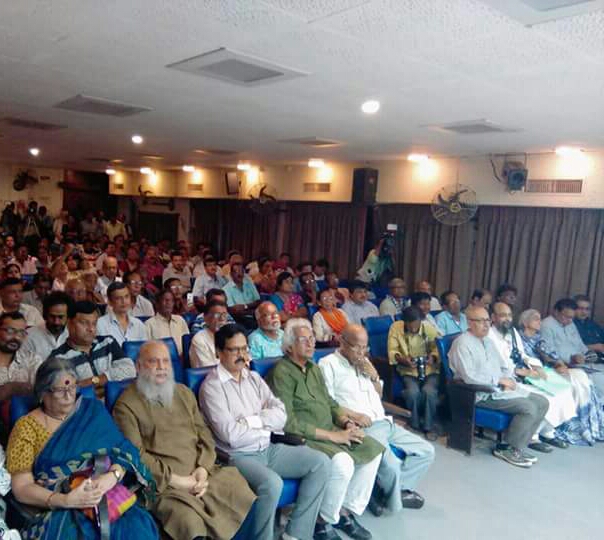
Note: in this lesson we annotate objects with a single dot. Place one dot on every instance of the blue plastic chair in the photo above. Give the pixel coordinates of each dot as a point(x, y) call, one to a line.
point(320, 353)
point(21, 405)
point(483, 418)
point(377, 330)
point(312, 309)
point(113, 390)
point(186, 346)
point(263, 365)
point(143, 318)
point(189, 318)
point(195, 376)
point(131, 349)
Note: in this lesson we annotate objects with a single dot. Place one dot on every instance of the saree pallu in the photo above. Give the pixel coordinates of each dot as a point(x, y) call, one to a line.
point(89, 431)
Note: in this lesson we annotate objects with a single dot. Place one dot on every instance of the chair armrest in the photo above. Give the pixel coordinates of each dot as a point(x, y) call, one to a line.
point(395, 410)
point(290, 439)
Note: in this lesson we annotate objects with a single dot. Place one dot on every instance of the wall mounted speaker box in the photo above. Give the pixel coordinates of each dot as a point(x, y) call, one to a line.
point(232, 183)
point(364, 186)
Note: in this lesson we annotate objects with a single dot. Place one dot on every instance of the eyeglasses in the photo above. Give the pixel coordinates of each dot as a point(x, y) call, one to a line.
point(309, 340)
point(359, 348)
point(237, 350)
point(308, 281)
point(138, 283)
point(481, 321)
point(65, 390)
point(219, 316)
point(10, 332)
point(175, 287)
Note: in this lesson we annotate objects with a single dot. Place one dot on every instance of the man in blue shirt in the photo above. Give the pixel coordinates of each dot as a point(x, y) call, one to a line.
point(242, 296)
point(267, 340)
point(451, 320)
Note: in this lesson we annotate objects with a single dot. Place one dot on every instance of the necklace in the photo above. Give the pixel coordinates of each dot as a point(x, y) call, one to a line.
point(59, 418)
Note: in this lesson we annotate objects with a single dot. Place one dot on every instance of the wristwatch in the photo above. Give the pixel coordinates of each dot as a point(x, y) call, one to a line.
point(117, 474)
point(95, 380)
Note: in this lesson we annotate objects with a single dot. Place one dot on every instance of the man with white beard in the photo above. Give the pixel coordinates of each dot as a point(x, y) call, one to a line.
point(267, 339)
point(195, 498)
point(513, 357)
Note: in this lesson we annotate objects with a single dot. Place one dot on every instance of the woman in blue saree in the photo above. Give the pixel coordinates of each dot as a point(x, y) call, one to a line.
point(61, 437)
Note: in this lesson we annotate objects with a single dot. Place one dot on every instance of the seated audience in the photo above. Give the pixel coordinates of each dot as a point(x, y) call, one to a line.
point(96, 359)
point(358, 307)
point(60, 274)
point(12, 270)
point(451, 320)
point(525, 369)
point(76, 290)
point(90, 279)
point(35, 297)
point(341, 294)
point(508, 294)
point(309, 288)
point(18, 365)
point(11, 294)
point(242, 412)
point(165, 324)
point(141, 307)
point(412, 349)
point(113, 228)
point(203, 350)
point(197, 260)
point(320, 270)
point(289, 303)
point(62, 435)
point(481, 298)
point(43, 262)
point(475, 360)
point(560, 334)
point(27, 263)
point(242, 295)
point(588, 425)
point(267, 340)
point(109, 277)
point(329, 321)
point(304, 267)
point(396, 299)
point(73, 265)
point(118, 322)
point(354, 383)
point(44, 339)
point(109, 251)
point(132, 261)
point(213, 294)
point(328, 427)
point(283, 263)
point(209, 279)
point(177, 269)
point(151, 267)
point(421, 301)
point(265, 279)
point(426, 287)
point(590, 331)
point(195, 497)
point(233, 257)
point(180, 303)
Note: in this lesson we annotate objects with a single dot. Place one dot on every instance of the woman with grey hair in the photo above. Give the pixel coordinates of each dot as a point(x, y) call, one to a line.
point(588, 425)
point(67, 456)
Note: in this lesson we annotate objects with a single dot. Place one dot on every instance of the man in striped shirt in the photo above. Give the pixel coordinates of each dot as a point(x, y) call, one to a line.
point(97, 359)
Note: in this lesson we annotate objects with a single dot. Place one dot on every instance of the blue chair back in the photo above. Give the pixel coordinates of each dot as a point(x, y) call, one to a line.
point(312, 309)
point(189, 318)
point(377, 330)
point(143, 318)
point(131, 349)
point(264, 297)
point(21, 405)
point(195, 376)
point(380, 292)
point(113, 390)
point(443, 344)
point(263, 365)
point(186, 345)
point(435, 312)
point(28, 278)
point(320, 353)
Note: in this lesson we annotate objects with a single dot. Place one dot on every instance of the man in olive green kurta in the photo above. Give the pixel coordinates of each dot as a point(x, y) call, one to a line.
point(335, 430)
point(195, 497)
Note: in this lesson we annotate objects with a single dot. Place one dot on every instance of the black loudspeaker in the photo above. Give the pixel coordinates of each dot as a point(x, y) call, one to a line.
point(364, 186)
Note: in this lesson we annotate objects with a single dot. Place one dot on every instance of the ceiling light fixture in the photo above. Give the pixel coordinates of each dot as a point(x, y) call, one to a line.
point(146, 170)
point(243, 166)
point(371, 106)
point(137, 139)
point(418, 158)
point(188, 168)
point(34, 152)
point(110, 172)
point(316, 163)
point(566, 151)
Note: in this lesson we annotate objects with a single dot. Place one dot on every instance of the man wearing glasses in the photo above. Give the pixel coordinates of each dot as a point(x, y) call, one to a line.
point(203, 350)
point(354, 383)
point(140, 306)
point(474, 359)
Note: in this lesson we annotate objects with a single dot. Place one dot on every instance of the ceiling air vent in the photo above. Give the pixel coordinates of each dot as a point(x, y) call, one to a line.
point(104, 107)
point(531, 12)
point(313, 142)
point(31, 124)
point(234, 67)
point(473, 127)
point(554, 186)
point(317, 187)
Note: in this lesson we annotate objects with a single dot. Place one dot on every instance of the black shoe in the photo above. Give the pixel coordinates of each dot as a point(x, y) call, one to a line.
point(324, 531)
point(554, 441)
point(541, 447)
point(353, 528)
point(411, 499)
point(375, 506)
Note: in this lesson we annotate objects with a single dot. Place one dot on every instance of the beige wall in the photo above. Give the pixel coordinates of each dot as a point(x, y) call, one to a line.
point(46, 191)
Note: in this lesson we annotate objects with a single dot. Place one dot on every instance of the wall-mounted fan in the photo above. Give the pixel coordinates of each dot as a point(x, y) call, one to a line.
point(263, 198)
point(454, 204)
point(23, 179)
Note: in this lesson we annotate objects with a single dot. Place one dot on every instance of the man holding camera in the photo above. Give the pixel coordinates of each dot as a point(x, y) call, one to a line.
point(412, 349)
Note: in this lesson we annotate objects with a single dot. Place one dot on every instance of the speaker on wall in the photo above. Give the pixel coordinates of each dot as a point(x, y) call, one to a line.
point(364, 186)
point(232, 183)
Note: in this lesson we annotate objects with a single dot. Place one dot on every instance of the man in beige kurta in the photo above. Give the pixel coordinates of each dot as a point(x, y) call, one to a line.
point(195, 497)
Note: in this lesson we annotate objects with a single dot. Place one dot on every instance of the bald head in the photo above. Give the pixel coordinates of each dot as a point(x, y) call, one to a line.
point(397, 287)
point(110, 268)
point(153, 362)
point(267, 316)
point(478, 321)
point(353, 343)
point(76, 288)
point(353, 332)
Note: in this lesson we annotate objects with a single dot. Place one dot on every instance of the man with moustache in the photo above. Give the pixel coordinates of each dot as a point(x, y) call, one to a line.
point(242, 412)
point(267, 340)
point(195, 498)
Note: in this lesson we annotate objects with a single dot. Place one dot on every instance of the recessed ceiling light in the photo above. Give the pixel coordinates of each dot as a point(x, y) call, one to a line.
point(316, 163)
point(565, 151)
point(34, 151)
point(418, 158)
point(110, 172)
point(188, 168)
point(243, 166)
point(117, 161)
point(146, 170)
point(371, 106)
point(137, 139)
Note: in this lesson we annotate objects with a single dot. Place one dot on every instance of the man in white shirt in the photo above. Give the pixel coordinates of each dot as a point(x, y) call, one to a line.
point(42, 340)
point(358, 307)
point(165, 324)
point(109, 276)
point(179, 270)
point(141, 307)
point(210, 279)
point(110, 251)
point(426, 287)
point(42, 286)
point(354, 383)
point(26, 262)
point(118, 323)
point(11, 294)
point(203, 351)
